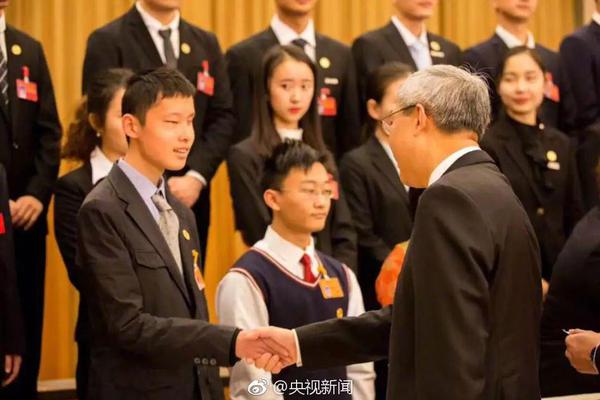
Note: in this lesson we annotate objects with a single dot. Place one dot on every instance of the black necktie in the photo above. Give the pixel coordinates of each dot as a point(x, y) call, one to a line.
point(300, 43)
point(171, 61)
point(3, 79)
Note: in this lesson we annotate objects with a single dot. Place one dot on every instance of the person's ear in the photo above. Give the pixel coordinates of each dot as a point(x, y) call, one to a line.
point(374, 110)
point(422, 119)
point(131, 126)
point(271, 198)
point(94, 121)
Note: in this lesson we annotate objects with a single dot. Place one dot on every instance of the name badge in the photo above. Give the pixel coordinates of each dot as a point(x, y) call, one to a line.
point(206, 83)
point(332, 81)
point(27, 90)
point(331, 288)
point(197, 273)
point(327, 104)
point(553, 165)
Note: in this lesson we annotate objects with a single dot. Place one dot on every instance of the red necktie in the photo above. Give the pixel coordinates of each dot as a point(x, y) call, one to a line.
point(308, 275)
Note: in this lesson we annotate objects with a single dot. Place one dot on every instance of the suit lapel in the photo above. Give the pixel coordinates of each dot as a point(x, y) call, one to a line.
point(143, 218)
point(397, 43)
point(189, 63)
point(436, 48)
point(382, 162)
point(14, 73)
point(140, 33)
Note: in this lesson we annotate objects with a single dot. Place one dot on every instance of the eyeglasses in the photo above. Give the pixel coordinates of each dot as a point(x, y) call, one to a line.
point(387, 122)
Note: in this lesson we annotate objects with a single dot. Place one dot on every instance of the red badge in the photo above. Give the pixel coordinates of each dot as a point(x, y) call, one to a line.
point(197, 273)
point(206, 83)
point(27, 90)
point(551, 91)
point(327, 104)
point(2, 227)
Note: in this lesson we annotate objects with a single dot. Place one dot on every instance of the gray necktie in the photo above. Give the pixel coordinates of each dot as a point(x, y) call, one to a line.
point(171, 61)
point(169, 226)
point(3, 79)
point(299, 42)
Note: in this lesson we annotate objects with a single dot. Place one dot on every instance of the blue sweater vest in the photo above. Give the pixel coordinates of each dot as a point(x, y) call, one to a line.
point(291, 303)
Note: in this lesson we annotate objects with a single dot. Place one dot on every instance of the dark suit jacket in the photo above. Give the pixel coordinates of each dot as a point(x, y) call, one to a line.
point(29, 131)
point(486, 57)
point(588, 153)
point(252, 216)
point(572, 301)
point(244, 63)
point(69, 194)
point(126, 42)
point(580, 56)
point(149, 326)
point(379, 205)
point(385, 45)
point(553, 213)
point(465, 320)
point(11, 323)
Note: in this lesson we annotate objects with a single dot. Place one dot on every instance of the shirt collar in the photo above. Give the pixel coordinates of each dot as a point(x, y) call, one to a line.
point(143, 185)
point(596, 17)
point(286, 251)
point(3, 23)
point(101, 165)
point(512, 41)
point(447, 163)
point(293, 134)
point(152, 23)
point(285, 34)
point(408, 37)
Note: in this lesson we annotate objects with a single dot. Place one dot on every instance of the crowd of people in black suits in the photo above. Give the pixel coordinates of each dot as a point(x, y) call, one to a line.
point(544, 137)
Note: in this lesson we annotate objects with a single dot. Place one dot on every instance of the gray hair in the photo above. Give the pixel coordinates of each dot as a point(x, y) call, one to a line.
point(454, 98)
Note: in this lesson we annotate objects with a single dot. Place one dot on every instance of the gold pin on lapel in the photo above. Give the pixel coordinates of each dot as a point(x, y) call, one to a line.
point(435, 46)
point(186, 234)
point(16, 50)
point(551, 156)
point(324, 62)
point(339, 313)
point(185, 48)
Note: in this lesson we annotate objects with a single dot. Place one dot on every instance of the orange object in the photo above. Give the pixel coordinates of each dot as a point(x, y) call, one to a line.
point(385, 285)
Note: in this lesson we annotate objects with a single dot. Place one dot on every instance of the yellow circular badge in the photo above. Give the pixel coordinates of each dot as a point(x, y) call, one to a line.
point(185, 48)
point(186, 234)
point(16, 49)
point(551, 155)
point(435, 46)
point(324, 62)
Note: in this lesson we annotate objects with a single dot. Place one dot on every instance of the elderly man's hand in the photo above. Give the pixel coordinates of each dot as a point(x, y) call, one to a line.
point(580, 344)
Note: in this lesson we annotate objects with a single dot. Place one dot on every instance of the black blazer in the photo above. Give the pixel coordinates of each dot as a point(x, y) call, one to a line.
point(379, 205)
point(244, 64)
point(29, 131)
point(126, 42)
point(580, 56)
point(486, 57)
point(572, 302)
point(553, 213)
point(471, 279)
point(11, 324)
point(69, 194)
point(252, 216)
point(385, 45)
point(150, 335)
point(588, 154)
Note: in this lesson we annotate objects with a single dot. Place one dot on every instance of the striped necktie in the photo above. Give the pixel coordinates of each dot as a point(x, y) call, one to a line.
point(3, 79)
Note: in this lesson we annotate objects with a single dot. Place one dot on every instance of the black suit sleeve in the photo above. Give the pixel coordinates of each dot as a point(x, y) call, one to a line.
point(212, 146)
point(347, 340)
point(110, 282)
point(348, 123)
point(48, 131)
point(240, 76)
point(67, 201)
point(100, 54)
point(11, 323)
point(355, 183)
point(450, 254)
point(343, 235)
point(251, 213)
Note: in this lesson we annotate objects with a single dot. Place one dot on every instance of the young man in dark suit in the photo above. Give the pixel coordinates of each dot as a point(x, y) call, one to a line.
point(12, 344)
point(465, 320)
point(29, 149)
point(512, 30)
point(152, 34)
point(405, 39)
point(336, 80)
point(138, 261)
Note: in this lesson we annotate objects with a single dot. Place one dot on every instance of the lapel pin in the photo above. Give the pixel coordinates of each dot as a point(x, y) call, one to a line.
point(551, 156)
point(324, 62)
point(435, 46)
point(185, 48)
point(16, 50)
point(186, 234)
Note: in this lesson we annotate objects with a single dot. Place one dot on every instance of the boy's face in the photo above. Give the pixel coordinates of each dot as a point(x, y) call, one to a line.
point(166, 138)
point(304, 200)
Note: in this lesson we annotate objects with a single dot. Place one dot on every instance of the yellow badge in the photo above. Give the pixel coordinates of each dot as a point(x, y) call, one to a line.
point(324, 62)
point(331, 288)
point(435, 46)
point(186, 234)
point(16, 49)
point(551, 155)
point(185, 48)
point(339, 313)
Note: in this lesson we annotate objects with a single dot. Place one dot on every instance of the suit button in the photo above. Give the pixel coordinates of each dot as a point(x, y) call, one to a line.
point(196, 361)
point(213, 362)
point(540, 211)
point(16, 145)
point(205, 361)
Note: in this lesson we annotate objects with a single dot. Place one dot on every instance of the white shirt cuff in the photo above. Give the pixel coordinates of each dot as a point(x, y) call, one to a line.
point(196, 175)
point(299, 360)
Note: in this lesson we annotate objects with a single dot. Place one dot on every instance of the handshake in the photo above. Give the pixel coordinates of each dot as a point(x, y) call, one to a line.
point(270, 348)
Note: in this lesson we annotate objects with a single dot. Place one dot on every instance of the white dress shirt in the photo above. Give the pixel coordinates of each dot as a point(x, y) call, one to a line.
point(155, 25)
point(390, 154)
point(291, 134)
point(101, 165)
point(2, 34)
point(512, 41)
point(240, 303)
point(447, 163)
point(285, 35)
point(418, 46)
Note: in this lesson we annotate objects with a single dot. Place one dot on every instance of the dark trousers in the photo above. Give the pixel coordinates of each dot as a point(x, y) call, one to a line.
point(82, 372)
point(30, 254)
